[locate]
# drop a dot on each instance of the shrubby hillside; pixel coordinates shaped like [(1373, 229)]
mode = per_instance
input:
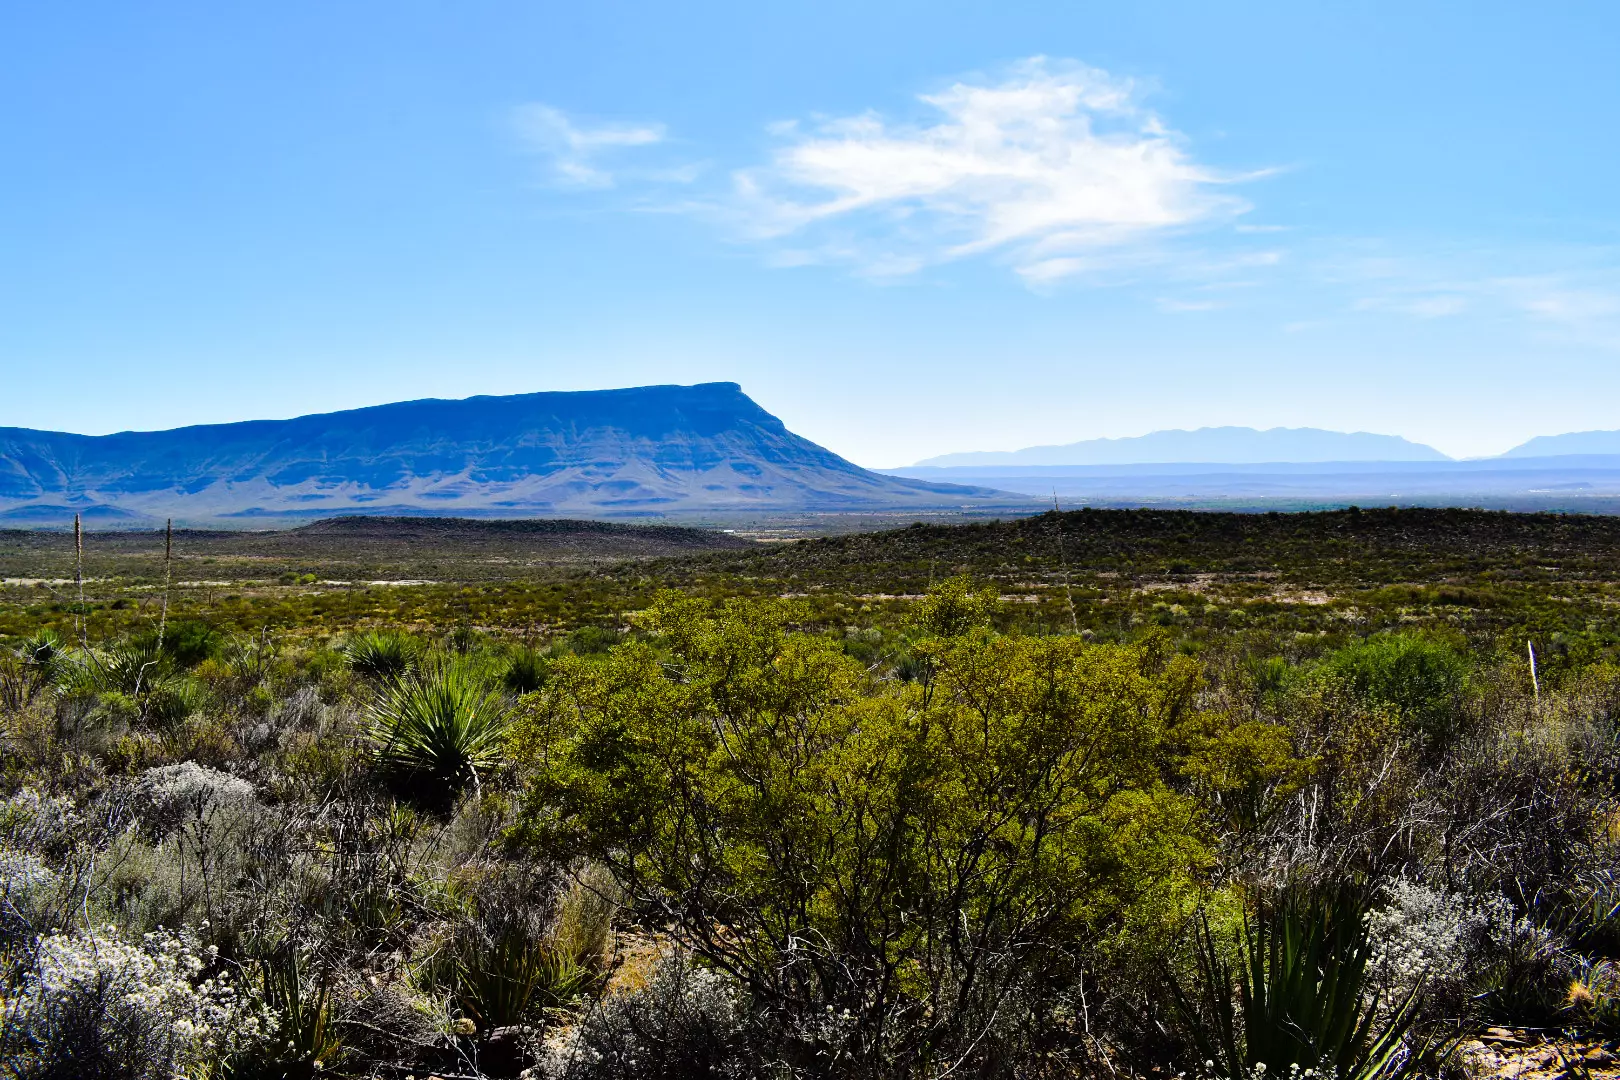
[(1082, 795)]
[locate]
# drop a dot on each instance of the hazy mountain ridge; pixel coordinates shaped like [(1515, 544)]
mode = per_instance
[(643, 451), (1581, 482), (1234, 445), (1569, 444)]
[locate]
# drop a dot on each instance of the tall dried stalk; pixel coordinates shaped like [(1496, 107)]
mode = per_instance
[(1074, 620), (168, 564), (78, 582)]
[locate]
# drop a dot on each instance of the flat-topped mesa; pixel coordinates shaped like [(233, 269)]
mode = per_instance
[(637, 452)]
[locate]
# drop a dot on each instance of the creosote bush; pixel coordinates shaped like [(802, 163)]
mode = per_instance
[(915, 853)]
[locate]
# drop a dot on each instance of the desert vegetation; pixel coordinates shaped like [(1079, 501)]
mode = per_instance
[(1090, 795)]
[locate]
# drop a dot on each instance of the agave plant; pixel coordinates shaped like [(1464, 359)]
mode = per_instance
[(443, 728), (383, 655), (1303, 995)]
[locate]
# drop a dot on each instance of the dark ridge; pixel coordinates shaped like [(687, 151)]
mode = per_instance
[(1369, 546), (361, 526)]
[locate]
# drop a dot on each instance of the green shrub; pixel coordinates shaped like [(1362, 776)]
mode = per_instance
[(930, 849), (525, 672), (1423, 680), (592, 640), (188, 642)]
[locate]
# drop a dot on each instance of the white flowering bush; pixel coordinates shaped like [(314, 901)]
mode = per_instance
[(1422, 935), (170, 790), (30, 821), (1469, 953), (687, 1020), (92, 1005)]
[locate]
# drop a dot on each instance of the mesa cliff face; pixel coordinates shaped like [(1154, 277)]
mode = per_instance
[(644, 451)]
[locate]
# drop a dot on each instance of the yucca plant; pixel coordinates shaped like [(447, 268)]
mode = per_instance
[(442, 728), (1302, 995), (1593, 1001), (44, 653), (307, 1040), (125, 669), (505, 974), (382, 655), (526, 671)]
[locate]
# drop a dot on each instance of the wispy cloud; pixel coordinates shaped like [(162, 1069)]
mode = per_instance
[(1051, 167), (1559, 301), (578, 155), (1572, 293)]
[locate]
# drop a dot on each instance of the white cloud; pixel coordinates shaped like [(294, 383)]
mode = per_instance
[(575, 152), (1049, 167)]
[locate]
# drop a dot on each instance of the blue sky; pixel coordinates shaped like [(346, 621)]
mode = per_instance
[(905, 228)]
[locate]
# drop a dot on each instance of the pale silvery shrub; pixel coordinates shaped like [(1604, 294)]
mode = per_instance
[(22, 871), (30, 821), (26, 885), (91, 1005), (173, 795), (687, 1020), (1422, 935), (192, 783)]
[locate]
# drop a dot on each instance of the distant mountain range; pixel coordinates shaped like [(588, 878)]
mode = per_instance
[(706, 450), (1576, 442), (1210, 444), (1249, 446), (643, 452), (1296, 468)]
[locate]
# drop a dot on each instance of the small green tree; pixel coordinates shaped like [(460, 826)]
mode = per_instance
[(885, 865)]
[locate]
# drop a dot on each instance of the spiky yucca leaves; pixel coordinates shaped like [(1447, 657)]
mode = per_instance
[(505, 974), (383, 655), (127, 668), (307, 1042), (45, 652), (438, 732), (526, 671), (1303, 995)]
